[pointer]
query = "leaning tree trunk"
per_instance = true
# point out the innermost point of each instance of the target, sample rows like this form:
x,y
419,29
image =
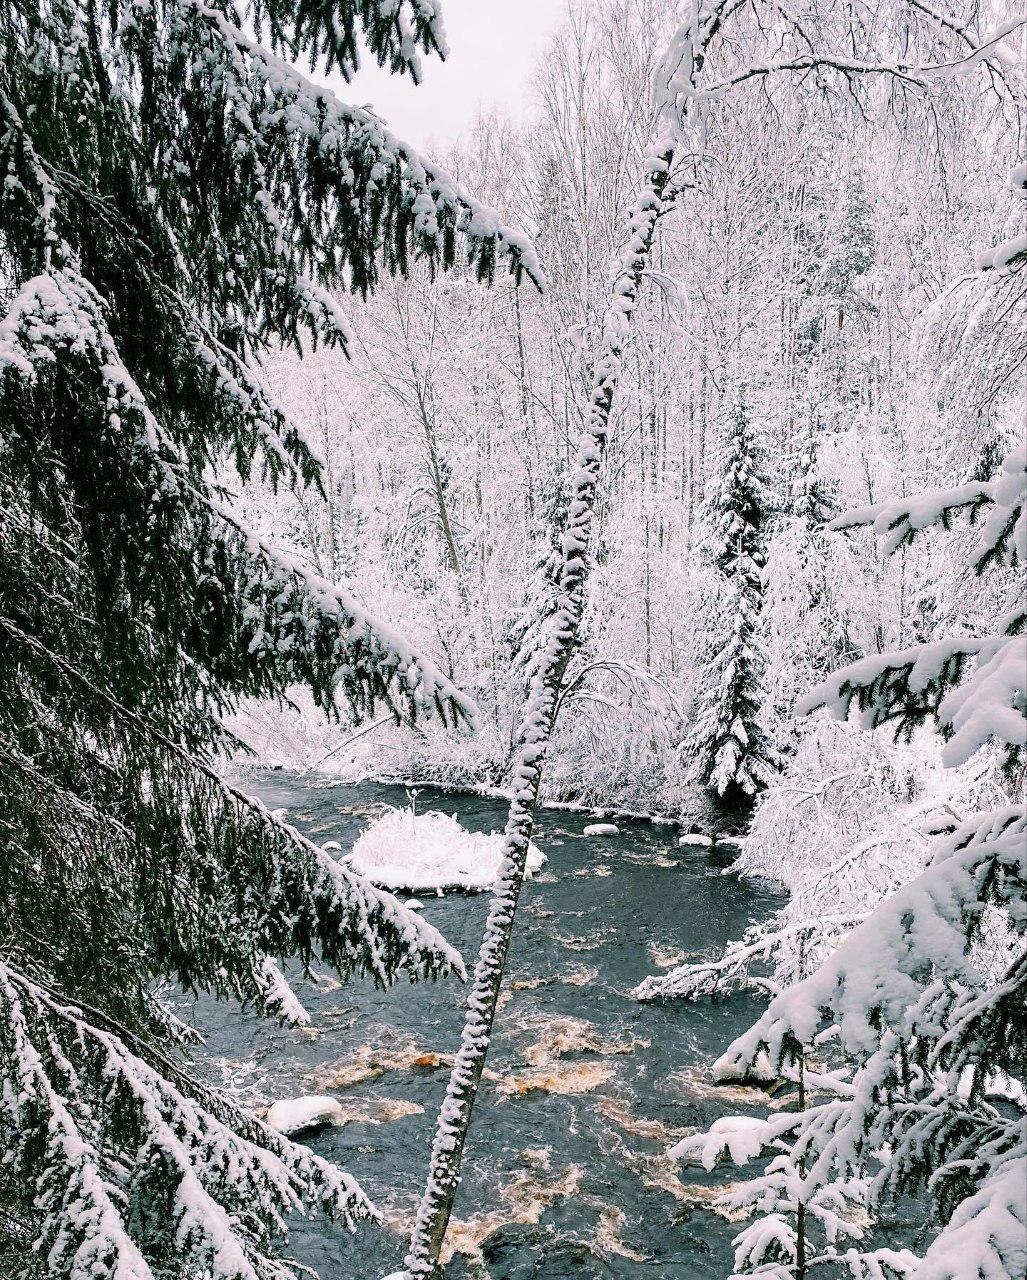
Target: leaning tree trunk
x,y
423,1260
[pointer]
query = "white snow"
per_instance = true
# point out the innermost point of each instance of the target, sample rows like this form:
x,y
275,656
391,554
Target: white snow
x,y
726,1070
738,1137
601,829
694,838
431,852
297,1115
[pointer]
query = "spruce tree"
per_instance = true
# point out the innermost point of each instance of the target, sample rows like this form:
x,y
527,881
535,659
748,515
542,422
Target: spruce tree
x,y
919,1009
727,746
924,999
176,199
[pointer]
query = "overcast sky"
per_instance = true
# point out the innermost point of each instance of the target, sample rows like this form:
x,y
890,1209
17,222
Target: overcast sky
x,y
493,47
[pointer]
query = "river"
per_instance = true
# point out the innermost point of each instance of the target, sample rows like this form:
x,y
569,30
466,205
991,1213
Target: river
x,y
564,1175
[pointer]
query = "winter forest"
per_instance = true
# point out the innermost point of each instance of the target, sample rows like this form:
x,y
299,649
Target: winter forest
x,y
513,651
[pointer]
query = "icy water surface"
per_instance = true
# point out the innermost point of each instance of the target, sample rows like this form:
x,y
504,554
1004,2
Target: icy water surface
x,y
564,1175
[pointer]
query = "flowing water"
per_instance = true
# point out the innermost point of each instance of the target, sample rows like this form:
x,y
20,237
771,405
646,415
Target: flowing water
x,y
564,1174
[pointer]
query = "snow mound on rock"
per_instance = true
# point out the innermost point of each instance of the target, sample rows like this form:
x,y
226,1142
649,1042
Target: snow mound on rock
x,y
297,1115
431,852
601,829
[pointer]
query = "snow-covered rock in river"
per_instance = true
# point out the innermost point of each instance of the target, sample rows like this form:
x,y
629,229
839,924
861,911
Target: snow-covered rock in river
x,y
297,1115
430,853
601,829
694,838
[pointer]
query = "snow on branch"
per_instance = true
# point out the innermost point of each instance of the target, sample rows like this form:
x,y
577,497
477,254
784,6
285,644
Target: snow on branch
x,y
932,679
292,619
251,885
829,47
1003,534
78,1100
734,969
987,1235
877,974
396,31
410,197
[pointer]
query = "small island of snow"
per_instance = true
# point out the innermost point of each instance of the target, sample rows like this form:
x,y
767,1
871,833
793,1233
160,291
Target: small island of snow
x,y
298,1115
408,852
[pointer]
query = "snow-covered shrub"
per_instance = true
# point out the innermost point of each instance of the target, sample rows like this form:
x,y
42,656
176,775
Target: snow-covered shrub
x,y
846,823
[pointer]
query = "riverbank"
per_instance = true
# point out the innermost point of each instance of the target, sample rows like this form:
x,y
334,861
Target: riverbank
x,y
730,835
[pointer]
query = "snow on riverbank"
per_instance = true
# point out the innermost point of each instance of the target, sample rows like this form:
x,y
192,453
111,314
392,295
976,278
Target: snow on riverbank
x,y
430,852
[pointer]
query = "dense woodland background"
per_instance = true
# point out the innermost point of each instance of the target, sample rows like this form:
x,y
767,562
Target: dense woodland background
x,y
819,273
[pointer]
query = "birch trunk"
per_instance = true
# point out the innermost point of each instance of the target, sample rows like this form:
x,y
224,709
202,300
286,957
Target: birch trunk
x,y
444,1172
684,59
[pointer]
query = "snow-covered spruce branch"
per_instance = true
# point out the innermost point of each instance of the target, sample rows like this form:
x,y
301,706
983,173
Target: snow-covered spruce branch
x,y
177,202
395,31
60,316
77,1097
932,1041
268,889
931,680
1003,533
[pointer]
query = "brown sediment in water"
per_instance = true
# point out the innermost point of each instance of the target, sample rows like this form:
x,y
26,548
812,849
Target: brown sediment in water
x,y
648,858
665,957
558,1037
378,1110
608,1235
653,1130
524,1201
562,1078
586,942
371,1060
580,977
659,1173
697,1083
575,978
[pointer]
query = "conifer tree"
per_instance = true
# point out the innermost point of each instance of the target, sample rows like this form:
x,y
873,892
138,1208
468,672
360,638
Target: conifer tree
x,y
176,199
922,1002
727,745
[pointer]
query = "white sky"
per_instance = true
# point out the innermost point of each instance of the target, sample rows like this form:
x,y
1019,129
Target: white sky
x,y
493,49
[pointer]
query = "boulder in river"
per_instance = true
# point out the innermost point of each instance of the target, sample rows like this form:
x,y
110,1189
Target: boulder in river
x,y
601,829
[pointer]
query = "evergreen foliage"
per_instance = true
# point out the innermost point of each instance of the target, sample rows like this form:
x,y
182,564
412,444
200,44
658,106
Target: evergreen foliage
x,y
178,199
925,997
728,743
